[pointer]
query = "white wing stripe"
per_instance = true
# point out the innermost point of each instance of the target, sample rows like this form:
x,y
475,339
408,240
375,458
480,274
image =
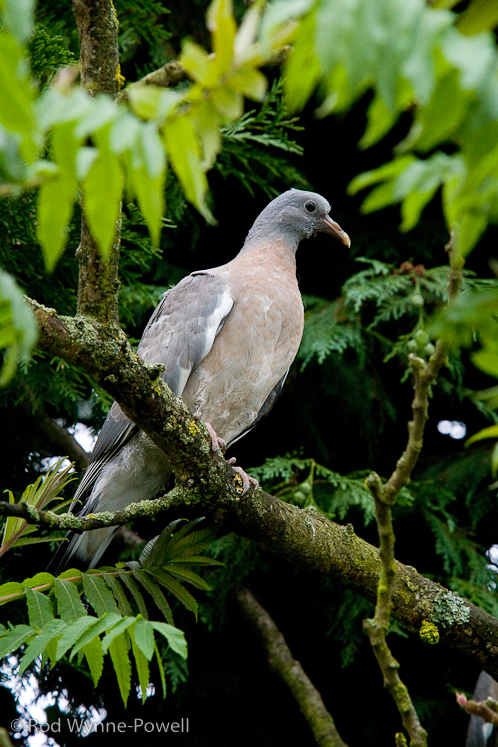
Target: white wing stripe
x,y
212,323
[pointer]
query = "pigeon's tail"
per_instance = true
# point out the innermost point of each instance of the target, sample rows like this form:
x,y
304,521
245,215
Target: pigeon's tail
x,y
83,551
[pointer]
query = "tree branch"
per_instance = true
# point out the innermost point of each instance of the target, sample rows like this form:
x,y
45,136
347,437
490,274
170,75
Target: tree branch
x,y
98,284
486,709
283,663
166,76
97,25
424,376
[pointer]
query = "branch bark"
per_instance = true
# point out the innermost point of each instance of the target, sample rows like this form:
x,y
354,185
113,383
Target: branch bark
x,y
98,284
282,662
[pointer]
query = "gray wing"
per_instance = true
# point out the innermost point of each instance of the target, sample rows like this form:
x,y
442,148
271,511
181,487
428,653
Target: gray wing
x,y
116,432
184,326
179,334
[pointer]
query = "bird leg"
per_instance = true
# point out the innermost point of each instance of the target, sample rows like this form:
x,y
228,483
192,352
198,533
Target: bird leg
x,y
219,443
216,441
247,480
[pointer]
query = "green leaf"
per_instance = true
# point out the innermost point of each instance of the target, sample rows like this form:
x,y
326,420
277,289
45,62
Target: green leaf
x,y
95,659
193,542
39,609
142,666
133,588
494,460
97,119
72,632
102,188
180,592
156,552
118,593
150,584
198,64
174,636
412,206
250,83
38,645
443,114
12,639
147,175
487,361
98,594
480,15
183,151
116,631
17,96
161,668
190,576
151,102
490,432
468,232
11,591
221,24
100,625
118,651
302,69
384,173
18,18
143,635
56,196
18,324
380,121
69,604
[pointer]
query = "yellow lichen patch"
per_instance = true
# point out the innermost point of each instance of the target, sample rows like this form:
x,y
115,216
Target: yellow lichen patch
x,y
193,428
120,78
429,632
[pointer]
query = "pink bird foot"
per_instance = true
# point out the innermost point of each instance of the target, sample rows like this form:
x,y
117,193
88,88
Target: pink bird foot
x,y
216,441
247,480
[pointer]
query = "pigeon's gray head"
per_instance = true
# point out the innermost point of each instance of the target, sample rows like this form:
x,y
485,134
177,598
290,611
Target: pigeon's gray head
x,y
292,216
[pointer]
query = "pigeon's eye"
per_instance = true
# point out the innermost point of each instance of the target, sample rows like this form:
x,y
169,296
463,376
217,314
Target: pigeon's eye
x,y
310,206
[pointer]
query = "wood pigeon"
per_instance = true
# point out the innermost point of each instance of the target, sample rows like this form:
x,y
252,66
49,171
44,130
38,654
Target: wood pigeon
x,y
226,337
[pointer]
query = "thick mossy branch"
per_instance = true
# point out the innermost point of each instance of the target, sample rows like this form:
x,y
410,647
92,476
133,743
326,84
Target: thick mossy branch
x,y
98,284
97,25
282,662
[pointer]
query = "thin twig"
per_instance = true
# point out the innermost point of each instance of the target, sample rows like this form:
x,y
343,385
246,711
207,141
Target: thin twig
x,y
167,76
424,376
282,662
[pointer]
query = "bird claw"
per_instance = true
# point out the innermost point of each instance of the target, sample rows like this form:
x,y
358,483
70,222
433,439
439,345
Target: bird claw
x,y
247,480
216,441
219,443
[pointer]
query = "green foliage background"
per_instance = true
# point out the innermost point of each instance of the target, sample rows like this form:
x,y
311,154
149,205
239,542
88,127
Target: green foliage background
x,y
346,402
